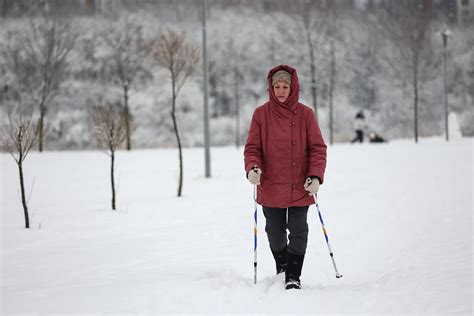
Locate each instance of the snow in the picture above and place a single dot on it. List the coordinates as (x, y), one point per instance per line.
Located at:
(398, 215)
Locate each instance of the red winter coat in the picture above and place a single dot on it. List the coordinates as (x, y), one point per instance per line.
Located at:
(285, 142)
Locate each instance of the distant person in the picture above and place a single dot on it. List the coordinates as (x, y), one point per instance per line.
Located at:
(359, 127)
(375, 138)
(285, 157)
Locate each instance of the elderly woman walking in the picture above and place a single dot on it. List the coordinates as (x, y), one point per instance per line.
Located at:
(285, 156)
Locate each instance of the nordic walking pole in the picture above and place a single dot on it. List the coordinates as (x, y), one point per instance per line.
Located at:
(255, 236)
(326, 237)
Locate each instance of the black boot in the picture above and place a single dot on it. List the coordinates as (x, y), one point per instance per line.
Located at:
(293, 271)
(280, 260)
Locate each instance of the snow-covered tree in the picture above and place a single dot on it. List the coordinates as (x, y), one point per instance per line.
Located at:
(37, 57)
(411, 31)
(127, 51)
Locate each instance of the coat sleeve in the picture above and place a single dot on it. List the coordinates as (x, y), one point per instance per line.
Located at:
(316, 148)
(253, 155)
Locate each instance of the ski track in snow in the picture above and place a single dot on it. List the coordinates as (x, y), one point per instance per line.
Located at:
(398, 215)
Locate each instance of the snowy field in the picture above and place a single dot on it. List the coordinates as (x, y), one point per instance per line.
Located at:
(399, 218)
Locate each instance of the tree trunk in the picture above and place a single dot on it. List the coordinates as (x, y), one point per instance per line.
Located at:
(332, 72)
(178, 139)
(178, 10)
(23, 197)
(237, 108)
(415, 107)
(314, 93)
(331, 93)
(127, 117)
(313, 71)
(4, 8)
(41, 128)
(112, 178)
(205, 64)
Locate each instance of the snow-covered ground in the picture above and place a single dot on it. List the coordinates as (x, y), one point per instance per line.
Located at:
(399, 218)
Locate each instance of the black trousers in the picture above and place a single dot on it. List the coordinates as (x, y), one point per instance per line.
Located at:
(278, 220)
(359, 136)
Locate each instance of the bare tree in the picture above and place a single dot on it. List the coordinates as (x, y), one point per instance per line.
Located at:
(364, 63)
(337, 50)
(128, 51)
(332, 68)
(20, 135)
(304, 32)
(37, 59)
(410, 31)
(316, 38)
(314, 25)
(230, 79)
(237, 78)
(108, 122)
(180, 59)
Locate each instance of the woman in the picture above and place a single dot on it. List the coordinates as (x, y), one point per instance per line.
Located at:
(285, 156)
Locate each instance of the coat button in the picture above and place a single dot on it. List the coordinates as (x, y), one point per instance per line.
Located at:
(294, 112)
(294, 163)
(293, 142)
(293, 123)
(294, 186)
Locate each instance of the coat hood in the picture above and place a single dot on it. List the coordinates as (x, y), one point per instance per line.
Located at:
(292, 100)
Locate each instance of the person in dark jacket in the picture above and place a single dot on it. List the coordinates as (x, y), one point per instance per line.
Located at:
(285, 156)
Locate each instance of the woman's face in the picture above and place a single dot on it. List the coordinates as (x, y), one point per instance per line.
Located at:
(282, 91)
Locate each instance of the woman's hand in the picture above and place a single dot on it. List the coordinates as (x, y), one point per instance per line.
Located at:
(311, 185)
(254, 176)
